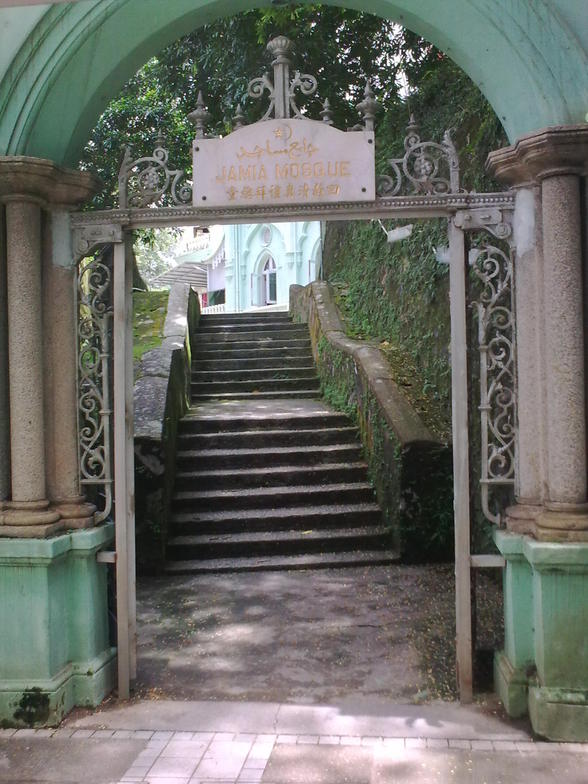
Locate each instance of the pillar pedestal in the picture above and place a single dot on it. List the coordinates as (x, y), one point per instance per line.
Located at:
(543, 670)
(55, 651)
(63, 657)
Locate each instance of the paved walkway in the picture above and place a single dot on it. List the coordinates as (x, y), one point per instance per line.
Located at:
(169, 742)
(319, 637)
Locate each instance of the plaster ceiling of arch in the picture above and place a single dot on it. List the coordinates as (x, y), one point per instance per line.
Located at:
(61, 64)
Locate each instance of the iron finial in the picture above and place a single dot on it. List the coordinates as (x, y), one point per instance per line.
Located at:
(368, 107)
(239, 118)
(327, 113)
(200, 116)
(280, 47)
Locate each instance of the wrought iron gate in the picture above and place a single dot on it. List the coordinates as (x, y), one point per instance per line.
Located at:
(422, 183)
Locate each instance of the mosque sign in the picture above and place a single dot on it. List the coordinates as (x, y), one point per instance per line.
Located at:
(285, 158)
(286, 161)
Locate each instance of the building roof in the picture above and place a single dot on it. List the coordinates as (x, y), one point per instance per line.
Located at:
(188, 273)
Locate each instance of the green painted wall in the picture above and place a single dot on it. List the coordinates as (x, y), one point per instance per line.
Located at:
(53, 613)
(530, 59)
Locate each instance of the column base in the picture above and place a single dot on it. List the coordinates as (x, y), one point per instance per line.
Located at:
(76, 513)
(511, 685)
(522, 518)
(562, 526)
(558, 714)
(55, 651)
(29, 519)
(45, 703)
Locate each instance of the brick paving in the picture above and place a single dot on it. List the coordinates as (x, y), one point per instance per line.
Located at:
(183, 757)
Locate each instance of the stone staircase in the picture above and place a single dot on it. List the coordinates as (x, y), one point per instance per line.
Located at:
(268, 476)
(239, 355)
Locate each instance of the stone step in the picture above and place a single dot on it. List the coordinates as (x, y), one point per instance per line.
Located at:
(250, 326)
(242, 374)
(255, 351)
(219, 545)
(232, 439)
(291, 419)
(272, 497)
(200, 376)
(244, 318)
(296, 518)
(304, 394)
(284, 563)
(289, 333)
(255, 385)
(276, 456)
(283, 344)
(247, 364)
(274, 476)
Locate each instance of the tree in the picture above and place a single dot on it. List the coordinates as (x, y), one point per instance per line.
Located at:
(154, 251)
(339, 46)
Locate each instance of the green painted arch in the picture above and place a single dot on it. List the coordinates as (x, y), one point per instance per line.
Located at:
(529, 57)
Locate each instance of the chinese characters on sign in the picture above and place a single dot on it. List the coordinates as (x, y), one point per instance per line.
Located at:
(284, 162)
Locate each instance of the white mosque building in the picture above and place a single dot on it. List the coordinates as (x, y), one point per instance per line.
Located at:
(248, 266)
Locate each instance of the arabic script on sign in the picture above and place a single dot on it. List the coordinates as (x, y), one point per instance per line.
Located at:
(284, 162)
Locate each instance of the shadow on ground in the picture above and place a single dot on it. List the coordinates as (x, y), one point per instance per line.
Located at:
(304, 637)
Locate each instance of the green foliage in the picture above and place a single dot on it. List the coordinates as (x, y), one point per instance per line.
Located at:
(398, 294)
(154, 251)
(341, 47)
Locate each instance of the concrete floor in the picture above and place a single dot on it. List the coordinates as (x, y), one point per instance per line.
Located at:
(301, 637)
(316, 637)
(293, 678)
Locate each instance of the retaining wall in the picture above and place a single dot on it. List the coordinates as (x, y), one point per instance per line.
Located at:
(161, 398)
(410, 468)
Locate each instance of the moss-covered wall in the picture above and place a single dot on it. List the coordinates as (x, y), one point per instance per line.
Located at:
(149, 312)
(162, 397)
(398, 296)
(409, 467)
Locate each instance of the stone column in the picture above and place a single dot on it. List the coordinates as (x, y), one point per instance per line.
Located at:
(27, 187)
(564, 345)
(550, 336)
(29, 504)
(530, 467)
(4, 417)
(60, 355)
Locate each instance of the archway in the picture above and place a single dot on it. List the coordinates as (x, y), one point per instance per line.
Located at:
(48, 109)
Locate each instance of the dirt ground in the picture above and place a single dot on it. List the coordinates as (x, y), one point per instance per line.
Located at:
(308, 637)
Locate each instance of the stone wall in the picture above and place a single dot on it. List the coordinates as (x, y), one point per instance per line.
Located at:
(410, 468)
(161, 398)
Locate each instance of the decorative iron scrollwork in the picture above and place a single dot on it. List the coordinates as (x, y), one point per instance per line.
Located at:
(426, 168)
(94, 356)
(282, 90)
(147, 180)
(496, 338)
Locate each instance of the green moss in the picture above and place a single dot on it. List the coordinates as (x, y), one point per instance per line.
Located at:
(33, 707)
(413, 483)
(398, 296)
(149, 312)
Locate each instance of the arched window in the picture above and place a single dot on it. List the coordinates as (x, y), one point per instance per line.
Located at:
(269, 282)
